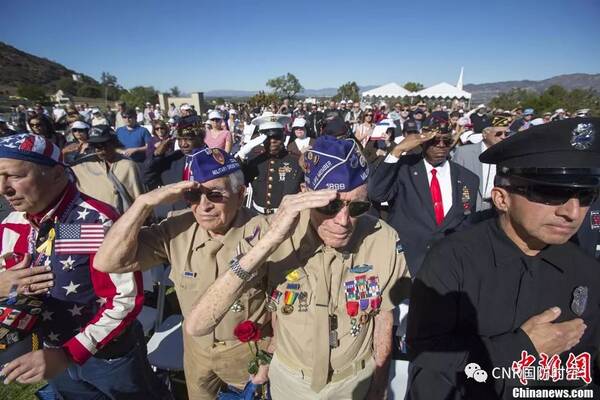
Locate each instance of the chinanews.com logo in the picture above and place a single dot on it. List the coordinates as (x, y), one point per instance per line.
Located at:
(548, 369)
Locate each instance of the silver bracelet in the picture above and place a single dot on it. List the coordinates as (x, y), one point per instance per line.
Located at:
(236, 268)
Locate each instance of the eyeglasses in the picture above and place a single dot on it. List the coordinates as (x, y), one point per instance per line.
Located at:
(500, 133)
(35, 125)
(368, 115)
(194, 196)
(555, 195)
(355, 208)
(160, 128)
(216, 119)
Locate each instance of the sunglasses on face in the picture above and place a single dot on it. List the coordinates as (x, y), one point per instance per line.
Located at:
(369, 115)
(35, 125)
(78, 130)
(554, 195)
(216, 119)
(500, 133)
(355, 208)
(194, 196)
(443, 141)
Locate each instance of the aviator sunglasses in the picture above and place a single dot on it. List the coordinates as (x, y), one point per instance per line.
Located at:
(355, 208)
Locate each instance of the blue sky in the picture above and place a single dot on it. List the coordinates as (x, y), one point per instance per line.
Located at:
(235, 44)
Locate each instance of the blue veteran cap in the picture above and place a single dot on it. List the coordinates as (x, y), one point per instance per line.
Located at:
(335, 164)
(208, 164)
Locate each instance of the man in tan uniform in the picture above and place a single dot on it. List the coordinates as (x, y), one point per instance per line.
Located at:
(334, 280)
(107, 175)
(199, 243)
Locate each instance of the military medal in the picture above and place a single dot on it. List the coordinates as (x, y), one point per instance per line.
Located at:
(466, 197)
(354, 327)
(352, 306)
(303, 302)
(288, 299)
(595, 220)
(360, 269)
(274, 300)
(579, 302)
(237, 307)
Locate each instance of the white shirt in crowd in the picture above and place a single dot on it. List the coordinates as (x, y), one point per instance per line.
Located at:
(488, 173)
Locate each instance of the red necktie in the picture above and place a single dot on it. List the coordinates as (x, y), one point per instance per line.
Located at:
(436, 198)
(186, 171)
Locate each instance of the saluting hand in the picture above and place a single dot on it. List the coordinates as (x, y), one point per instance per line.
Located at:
(168, 194)
(286, 216)
(29, 281)
(553, 338)
(410, 142)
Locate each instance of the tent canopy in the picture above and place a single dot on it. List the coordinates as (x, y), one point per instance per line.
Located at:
(389, 90)
(443, 91)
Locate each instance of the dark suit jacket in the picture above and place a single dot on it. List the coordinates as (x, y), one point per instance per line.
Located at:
(164, 170)
(588, 235)
(404, 185)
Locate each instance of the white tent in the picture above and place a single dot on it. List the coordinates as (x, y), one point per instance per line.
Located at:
(443, 91)
(389, 90)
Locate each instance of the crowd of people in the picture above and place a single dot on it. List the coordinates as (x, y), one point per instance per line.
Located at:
(310, 229)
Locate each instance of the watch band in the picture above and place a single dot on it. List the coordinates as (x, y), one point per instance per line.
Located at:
(236, 268)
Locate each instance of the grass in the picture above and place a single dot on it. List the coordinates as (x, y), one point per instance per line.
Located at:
(16, 391)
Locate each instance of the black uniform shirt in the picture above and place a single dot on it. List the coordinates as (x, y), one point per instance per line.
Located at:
(469, 299)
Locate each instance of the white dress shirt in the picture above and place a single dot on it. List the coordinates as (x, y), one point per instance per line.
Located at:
(445, 180)
(488, 173)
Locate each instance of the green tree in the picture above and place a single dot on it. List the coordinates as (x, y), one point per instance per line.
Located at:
(348, 91)
(32, 92)
(175, 91)
(285, 86)
(106, 79)
(89, 91)
(263, 99)
(413, 86)
(67, 85)
(139, 96)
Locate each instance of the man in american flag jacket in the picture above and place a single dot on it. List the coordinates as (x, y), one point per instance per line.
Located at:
(93, 345)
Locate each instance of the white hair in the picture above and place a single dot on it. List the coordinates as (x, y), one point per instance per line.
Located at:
(236, 181)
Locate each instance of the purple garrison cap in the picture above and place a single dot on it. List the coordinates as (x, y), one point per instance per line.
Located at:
(335, 164)
(208, 164)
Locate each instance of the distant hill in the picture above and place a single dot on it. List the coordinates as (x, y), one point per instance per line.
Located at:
(18, 67)
(484, 92)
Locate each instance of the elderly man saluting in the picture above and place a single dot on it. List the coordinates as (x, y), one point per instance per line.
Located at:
(331, 270)
(199, 243)
(93, 346)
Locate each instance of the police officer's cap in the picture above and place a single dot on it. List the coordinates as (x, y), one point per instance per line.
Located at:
(561, 153)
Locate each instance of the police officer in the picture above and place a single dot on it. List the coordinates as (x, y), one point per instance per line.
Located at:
(198, 243)
(333, 271)
(273, 172)
(93, 347)
(513, 291)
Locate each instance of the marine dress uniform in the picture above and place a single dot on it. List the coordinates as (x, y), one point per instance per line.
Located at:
(476, 288)
(272, 176)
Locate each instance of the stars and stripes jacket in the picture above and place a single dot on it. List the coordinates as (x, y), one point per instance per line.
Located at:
(85, 309)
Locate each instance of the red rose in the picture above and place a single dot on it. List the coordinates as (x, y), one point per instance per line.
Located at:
(247, 331)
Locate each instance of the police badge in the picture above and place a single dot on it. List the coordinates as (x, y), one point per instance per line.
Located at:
(583, 136)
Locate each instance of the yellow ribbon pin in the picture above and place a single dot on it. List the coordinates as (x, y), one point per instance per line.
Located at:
(46, 247)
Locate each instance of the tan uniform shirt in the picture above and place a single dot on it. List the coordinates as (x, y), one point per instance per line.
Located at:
(197, 260)
(93, 180)
(373, 247)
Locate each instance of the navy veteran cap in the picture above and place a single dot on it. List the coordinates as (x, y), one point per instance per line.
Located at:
(208, 164)
(190, 126)
(560, 153)
(501, 120)
(335, 164)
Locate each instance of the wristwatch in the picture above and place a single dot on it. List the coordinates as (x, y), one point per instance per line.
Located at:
(236, 268)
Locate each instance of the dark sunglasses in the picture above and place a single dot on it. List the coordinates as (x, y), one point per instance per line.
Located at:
(355, 208)
(78, 130)
(555, 195)
(216, 119)
(500, 133)
(128, 116)
(445, 141)
(35, 125)
(194, 196)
